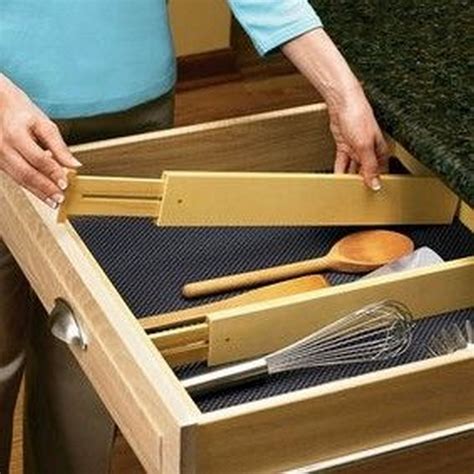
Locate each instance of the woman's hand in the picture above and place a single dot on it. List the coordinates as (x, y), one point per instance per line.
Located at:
(32, 150)
(360, 146)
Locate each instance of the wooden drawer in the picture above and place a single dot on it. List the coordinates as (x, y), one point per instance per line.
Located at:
(165, 428)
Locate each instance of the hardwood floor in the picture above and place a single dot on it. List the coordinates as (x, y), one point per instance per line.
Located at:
(259, 88)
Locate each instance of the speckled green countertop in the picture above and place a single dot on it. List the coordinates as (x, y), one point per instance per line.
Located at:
(416, 61)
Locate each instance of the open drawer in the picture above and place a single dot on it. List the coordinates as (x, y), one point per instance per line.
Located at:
(299, 423)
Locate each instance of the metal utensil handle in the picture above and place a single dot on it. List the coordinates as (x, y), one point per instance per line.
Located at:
(226, 377)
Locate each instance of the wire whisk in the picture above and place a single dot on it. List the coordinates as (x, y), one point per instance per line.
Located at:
(375, 332)
(451, 339)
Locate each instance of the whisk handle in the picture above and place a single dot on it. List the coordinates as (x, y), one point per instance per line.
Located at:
(227, 377)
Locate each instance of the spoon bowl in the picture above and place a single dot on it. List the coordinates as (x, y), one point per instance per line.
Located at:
(367, 250)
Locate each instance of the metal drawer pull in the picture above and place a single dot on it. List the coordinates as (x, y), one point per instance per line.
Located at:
(64, 325)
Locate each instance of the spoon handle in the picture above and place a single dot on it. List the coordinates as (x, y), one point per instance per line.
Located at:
(254, 278)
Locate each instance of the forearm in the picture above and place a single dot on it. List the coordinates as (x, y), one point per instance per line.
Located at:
(3, 80)
(5, 86)
(8, 90)
(318, 59)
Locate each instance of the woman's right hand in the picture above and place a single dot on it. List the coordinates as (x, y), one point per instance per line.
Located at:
(32, 150)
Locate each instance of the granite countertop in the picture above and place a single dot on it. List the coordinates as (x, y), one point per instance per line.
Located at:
(414, 57)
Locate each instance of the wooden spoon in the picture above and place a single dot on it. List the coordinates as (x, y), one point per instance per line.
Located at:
(277, 290)
(355, 253)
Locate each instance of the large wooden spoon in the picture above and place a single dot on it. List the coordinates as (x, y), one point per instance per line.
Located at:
(355, 253)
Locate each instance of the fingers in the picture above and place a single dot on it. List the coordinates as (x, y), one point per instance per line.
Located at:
(381, 147)
(359, 142)
(342, 162)
(369, 167)
(32, 150)
(41, 160)
(48, 134)
(384, 164)
(353, 167)
(363, 161)
(25, 175)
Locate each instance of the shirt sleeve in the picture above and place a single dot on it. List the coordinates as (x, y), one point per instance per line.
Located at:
(271, 23)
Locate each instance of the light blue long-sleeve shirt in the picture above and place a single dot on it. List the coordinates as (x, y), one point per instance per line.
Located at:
(78, 58)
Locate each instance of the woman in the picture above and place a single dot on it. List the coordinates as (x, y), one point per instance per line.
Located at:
(78, 71)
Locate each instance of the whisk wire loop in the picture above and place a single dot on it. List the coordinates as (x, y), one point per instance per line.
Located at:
(378, 331)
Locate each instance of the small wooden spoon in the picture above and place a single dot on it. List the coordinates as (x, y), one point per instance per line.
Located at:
(355, 253)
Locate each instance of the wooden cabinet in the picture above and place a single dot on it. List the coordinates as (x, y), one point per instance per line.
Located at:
(163, 425)
(190, 20)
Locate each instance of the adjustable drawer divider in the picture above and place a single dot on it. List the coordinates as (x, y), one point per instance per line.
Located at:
(99, 195)
(190, 198)
(183, 344)
(246, 331)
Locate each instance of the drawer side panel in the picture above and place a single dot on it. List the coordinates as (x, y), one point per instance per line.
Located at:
(132, 379)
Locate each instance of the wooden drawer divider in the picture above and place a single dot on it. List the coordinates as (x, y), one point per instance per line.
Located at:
(262, 199)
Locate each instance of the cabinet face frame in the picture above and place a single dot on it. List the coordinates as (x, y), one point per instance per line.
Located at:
(163, 425)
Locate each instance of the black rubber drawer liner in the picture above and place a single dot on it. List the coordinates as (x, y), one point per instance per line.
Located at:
(149, 265)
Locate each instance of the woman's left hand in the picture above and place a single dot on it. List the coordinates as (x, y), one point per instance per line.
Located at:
(360, 145)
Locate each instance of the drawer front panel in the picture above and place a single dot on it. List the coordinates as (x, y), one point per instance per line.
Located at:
(342, 418)
(443, 451)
